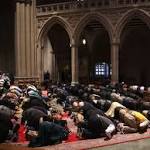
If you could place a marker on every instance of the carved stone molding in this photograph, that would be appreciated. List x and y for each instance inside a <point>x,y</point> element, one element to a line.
<point>73,19</point>
<point>24,1</point>
<point>40,22</point>
<point>20,1</point>
<point>74,16</point>
<point>28,1</point>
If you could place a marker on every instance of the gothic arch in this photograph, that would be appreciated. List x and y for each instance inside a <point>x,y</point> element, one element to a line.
<point>143,15</point>
<point>93,16</point>
<point>42,38</point>
<point>132,32</point>
<point>52,21</point>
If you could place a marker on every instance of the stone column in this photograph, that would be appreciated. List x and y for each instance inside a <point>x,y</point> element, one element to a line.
<point>17,38</point>
<point>74,61</point>
<point>33,53</point>
<point>115,61</point>
<point>55,73</point>
<point>25,39</point>
<point>28,37</point>
<point>53,67</point>
<point>20,39</point>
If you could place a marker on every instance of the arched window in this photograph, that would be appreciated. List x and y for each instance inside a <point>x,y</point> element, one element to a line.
<point>102,69</point>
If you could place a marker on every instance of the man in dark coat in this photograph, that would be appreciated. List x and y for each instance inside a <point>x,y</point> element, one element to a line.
<point>97,126</point>
<point>97,123</point>
<point>5,125</point>
<point>32,116</point>
<point>49,133</point>
<point>87,107</point>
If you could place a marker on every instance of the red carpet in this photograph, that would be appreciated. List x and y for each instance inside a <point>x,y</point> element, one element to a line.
<point>21,134</point>
<point>72,137</point>
<point>73,143</point>
<point>93,143</point>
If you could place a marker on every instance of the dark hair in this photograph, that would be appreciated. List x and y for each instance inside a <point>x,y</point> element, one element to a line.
<point>142,129</point>
<point>117,110</point>
<point>148,115</point>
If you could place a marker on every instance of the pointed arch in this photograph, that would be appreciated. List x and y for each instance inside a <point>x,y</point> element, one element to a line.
<point>133,31</point>
<point>52,21</point>
<point>42,38</point>
<point>88,18</point>
<point>127,17</point>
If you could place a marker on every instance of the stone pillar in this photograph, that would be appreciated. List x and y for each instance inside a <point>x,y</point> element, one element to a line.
<point>115,61</point>
<point>53,77</point>
<point>74,62</point>
<point>51,65</point>
<point>48,55</point>
<point>33,52</point>
<point>25,39</point>
<point>28,38</point>
<point>17,38</point>
<point>20,38</point>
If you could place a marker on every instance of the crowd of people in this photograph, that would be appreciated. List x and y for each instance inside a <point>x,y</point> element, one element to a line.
<point>97,111</point>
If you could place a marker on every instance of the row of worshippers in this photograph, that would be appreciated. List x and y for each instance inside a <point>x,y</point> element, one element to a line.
<point>122,107</point>
<point>97,111</point>
<point>29,108</point>
<point>90,108</point>
<point>94,106</point>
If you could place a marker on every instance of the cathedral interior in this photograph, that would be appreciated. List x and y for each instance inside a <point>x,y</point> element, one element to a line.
<point>86,45</point>
<point>94,45</point>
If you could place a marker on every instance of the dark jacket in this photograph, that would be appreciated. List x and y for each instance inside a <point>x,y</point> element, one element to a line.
<point>32,116</point>
<point>5,126</point>
<point>49,133</point>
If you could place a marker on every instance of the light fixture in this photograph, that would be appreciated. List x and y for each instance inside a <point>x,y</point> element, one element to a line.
<point>84,41</point>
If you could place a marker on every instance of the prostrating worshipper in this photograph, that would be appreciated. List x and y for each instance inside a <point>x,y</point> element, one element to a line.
<point>133,121</point>
<point>5,123</point>
<point>9,104</point>
<point>86,107</point>
<point>145,101</point>
<point>12,97</point>
<point>7,110</point>
<point>4,84</point>
<point>111,111</point>
<point>49,133</point>
<point>95,126</point>
<point>32,117</point>
<point>100,103</point>
<point>54,105</point>
<point>93,123</point>
<point>34,98</point>
<point>128,102</point>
